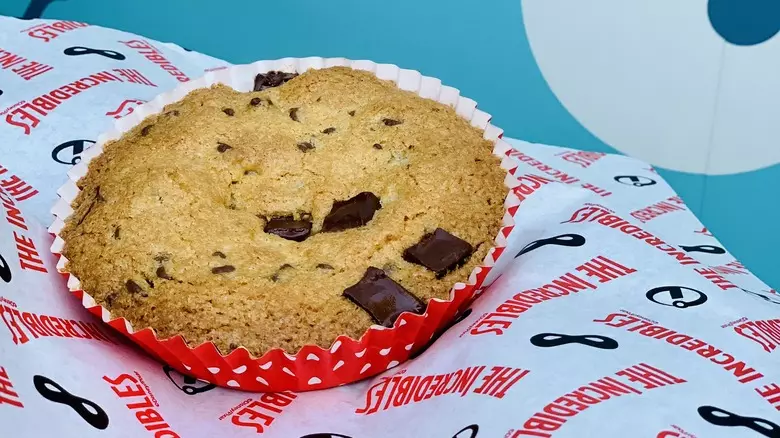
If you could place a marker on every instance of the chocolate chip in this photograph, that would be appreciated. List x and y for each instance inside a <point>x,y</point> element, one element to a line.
<point>294,114</point>
<point>351,113</point>
<point>223,269</point>
<point>439,251</point>
<point>288,228</point>
<point>222,147</point>
<point>133,287</point>
<point>272,79</point>
<point>149,282</point>
<point>229,111</point>
<point>219,254</point>
<point>284,267</point>
<point>145,130</point>
<point>233,346</point>
<point>383,298</point>
<point>162,274</point>
<point>110,298</point>
<point>391,122</point>
<point>377,146</point>
<point>324,266</point>
<point>305,146</point>
<point>330,130</point>
<point>116,232</point>
<point>255,101</point>
<point>352,213</point>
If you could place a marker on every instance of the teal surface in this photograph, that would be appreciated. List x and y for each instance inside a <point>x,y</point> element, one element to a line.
<point>478,47</point>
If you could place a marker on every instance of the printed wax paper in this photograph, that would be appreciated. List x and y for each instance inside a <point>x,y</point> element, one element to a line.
<point>619,313</point>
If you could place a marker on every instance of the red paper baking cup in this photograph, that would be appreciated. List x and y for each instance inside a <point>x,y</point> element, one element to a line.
<point>347,360</point>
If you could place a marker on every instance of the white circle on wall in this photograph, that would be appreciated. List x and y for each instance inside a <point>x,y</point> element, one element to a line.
<point>655,81</point>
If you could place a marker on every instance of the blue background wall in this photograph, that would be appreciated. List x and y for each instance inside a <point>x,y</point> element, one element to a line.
<point>484,51</point>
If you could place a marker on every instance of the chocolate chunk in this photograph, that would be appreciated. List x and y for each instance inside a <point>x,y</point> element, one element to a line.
<point>439,251</point>
<point>305,146</point>
<point>391,122</point>
<point>219,254</point>
<point>352,213</point>
<point>330,130</point>
<point>162,274</point>
<point>255,101</point>
<point>377,146</point>
<point>288,228</point>
<point>222,147</point>
<point>149,282</point>
<point>383,298</point>
<point>272,79</point>
<point>116,232</point>
<point>229,111</point>
<point>351,113</point>
<point>133,287</point>
<point>110,298</point>
<point>324,266</point>
<point>294,114</point>
<point>145,130</point>
<point>223,269</point>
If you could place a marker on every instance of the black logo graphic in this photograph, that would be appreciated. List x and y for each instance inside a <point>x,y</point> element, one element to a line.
<point>1,92</point>
<point>467,432</point>
<point>636,181</point>
<point>773,299</point>
<point>722,417</point>
<point>571,240</point>
<point>709,249</point>
<point>676,296</point>
<point>556,339</point>
<point>79,50</point>
<point>5,270</point>
<point>189,385</point>
<point>436,336</point>
<point>88,410</point>
<point>70,151</point>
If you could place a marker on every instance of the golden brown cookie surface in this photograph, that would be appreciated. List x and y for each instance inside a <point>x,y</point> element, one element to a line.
<point>215,219</point>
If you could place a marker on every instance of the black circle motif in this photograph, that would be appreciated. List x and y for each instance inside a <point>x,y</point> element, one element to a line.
<point>557,339</point>
<point>79,50</point>
<point>87,409</point>
<point>680,297</point>
<point>5,270</point>
<point>722,417</point>
<point>570,240</point>
<point>70,151</point>
<point>189,385</point>
<point>472,429</point>
<point>709,249</point>
<point>326,435</point>
<point>636,181</point>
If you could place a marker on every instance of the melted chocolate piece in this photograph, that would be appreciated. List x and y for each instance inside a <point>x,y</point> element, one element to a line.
<point>229,111</point>
<point>133,287</point>
<point>439,251</point>
<point>391,122</point>
<point>255,101</point>
<point>351,113</point>
<point>352,213</point>
<point>324,266</point>
<point>145,130</point>
<point>294,114</point>
<point>272,79</point>
<point>222,147</point>
<point>219,254</point>
<point>288,228</point>
<point>383,298</point>
<point>330,130</point>
<point>223,269</point>
<point>162,274</point>
<point>305,146</point>
<point>377,146</point>
<point>116,232</point>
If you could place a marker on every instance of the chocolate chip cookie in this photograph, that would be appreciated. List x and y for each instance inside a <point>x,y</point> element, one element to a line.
<point>315,206</point>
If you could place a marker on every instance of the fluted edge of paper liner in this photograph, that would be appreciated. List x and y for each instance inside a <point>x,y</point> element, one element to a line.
<point>346,360</point>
